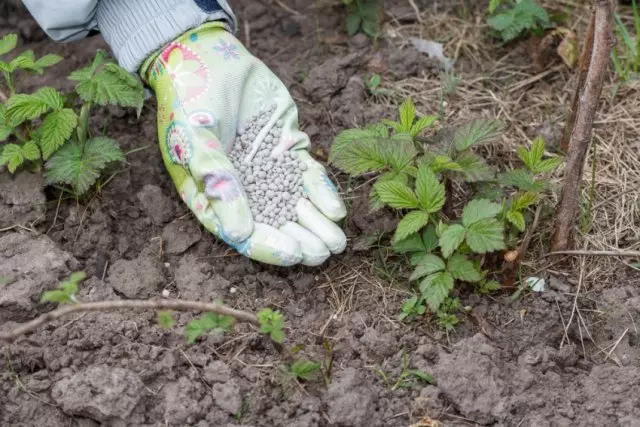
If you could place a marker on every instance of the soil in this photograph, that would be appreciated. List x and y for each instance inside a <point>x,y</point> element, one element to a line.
<point>509,362</point>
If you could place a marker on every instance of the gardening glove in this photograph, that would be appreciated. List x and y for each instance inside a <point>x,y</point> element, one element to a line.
<point>212,93</point>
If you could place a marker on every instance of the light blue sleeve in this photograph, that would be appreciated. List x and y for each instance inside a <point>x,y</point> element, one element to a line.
<point>64,20</point>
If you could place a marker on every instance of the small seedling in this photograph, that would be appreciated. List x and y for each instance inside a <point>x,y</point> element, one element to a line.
<point>327,362</point>
<point>362,15</point>
<point>66,291</point>
<point>272,324</point>
<point>46,126</point>
<point>304,370</point>
<point>407,376</point>
<point>166,320</point>
<point>206,323</point>
<point>510,19</point>
<point>446,316</point>
<point>412,308</point>
<point>373,82</point>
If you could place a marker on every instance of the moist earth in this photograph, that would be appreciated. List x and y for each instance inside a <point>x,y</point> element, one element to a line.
<point>509,363</point>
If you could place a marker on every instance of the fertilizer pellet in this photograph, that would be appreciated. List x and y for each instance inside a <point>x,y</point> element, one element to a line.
<point>273,185</point>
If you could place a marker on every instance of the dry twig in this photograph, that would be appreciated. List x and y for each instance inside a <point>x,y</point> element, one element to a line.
<point>177,305</point>
<point>589,95</point>
<point>632,254</point>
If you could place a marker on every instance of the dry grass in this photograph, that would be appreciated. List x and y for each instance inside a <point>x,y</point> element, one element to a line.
<point>499,82</point>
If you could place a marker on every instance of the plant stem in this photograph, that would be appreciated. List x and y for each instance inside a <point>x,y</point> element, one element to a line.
<point>83,123</point>
<point>177,305</point>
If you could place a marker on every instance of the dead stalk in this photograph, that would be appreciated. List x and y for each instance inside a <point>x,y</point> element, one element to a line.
<point>579,141</point>
<point>177,305</point>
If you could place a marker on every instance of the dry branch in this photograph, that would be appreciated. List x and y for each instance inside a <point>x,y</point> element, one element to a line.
<point>177,305</point>
<point>628,254</point>
<point>587,104</point>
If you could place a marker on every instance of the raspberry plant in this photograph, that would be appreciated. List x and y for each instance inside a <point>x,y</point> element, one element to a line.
<point>512,18</point>
<point>416,179</point>
<point>48,127</point>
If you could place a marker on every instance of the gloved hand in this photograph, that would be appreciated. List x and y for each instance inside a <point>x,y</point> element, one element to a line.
<point>219,105</point>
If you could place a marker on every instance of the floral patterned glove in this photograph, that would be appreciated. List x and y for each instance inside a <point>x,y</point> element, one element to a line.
<point>214,96</point>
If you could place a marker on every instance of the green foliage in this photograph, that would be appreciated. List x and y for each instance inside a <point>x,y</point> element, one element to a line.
<point>510,19</point>
<point>166,320</point>
<point>44,127</point>
<point>80,165</point>
<point>373,82</point>
<point>272,324</point>
<point>407,377</point>
<point>412,177</point>
<point>626,54</point>
<point>362,15</point>
<point>304,370</point>
<point>66,291</point>
<point>206,323</point>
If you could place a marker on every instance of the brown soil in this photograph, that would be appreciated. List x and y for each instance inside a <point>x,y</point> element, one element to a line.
<point>509,363</point>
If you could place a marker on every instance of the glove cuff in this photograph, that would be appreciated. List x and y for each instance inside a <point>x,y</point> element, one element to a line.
<point>135,29</point>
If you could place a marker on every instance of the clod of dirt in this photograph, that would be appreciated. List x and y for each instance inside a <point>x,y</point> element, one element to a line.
<point>217,372</point>
<point>194,282</point>
<point>227,397</point>
<point>331,76</point>
<point>180,235</point>
<point>185,402</point>
<point>137,278</point>
<point>31,265</point>
<point>351,401</point>
<point>613,396</point>
<point>405,63</point>
<point>157,206</point>
<point>99,392</point>
<point>22,200</point>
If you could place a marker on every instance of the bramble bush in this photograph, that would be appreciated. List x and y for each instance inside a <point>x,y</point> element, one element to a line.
<point>50,128</point>
<point>416,179</point>
<point>510,19</point>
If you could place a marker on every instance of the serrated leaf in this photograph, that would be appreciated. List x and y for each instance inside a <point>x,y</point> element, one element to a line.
<point>81,168</point>
<point>411,223</point>
<point>22,107</point>
<point>30,151</point>
<point>486,235</point>
<point>5,128</point>
<point>396,195</point>
<point>451,238</point>
<point>8,43</point>
<point>532,157</point>
<point>407,115</point>
<point>12,157</point>
<point>207,322</point>
<point>347,137</point>
<point>48,60</point>
<point>479,131</point>
<point>430,191</point>
<point>399,151</point>
<point>421,124</point>
<point>479,209</point>
<point>56,130</point>
<point>359,156</point>
<point>305,370</point>
<point>436,288</point>
<point>413,243</point>
<point>24,60</point>
<point>521,179</point>
<point>429,264</point>
<point>441,162</point>
<point>461,268</point>
<point>524,200</point>
<point>548,165</point>
<point>165,319</point>
<point>430,239</point>
<point>474,168</point>
<point>516,218</point>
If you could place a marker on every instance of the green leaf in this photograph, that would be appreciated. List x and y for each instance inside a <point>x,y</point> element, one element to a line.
<point>80,167</point>
<point>461,268</point>
<point>207,322</point>
<point>305,370</point>
<point>451,238</point>
<point>522,179</point>
<point>30,151</point>
<point>353,23</point>
<point>486,235</point>
<point>479,131</point>
<point>532,157</point>
<point>413,243</point>
<point>422,375</point>
<point>48,61</point>
<point>5,128</point>
<point>479,209</point>
<point>411,223</point>
<point>8,43</point>
<point>548,165</point>
<point>56,130</point>
<point>430,191</point>
<point>399,151</point>
<point>421,124</point>
<point>66,291</point>
<point>24,107</point>
<point>524,200</point>
<point>428,265</point>
<point>396,195</point>
<point>440,162</point>
<point>436,288</point>
<point>166,320</point>
<point>12,157</point>
<point>357,154</point>
<point>25,60</point>
<point>104,82</point>
<point>407,115</point>
<point>271,323</point>
<point>430,239</point>
<point>474,168</point>
<point>348,137</point>
<point>493,5</point>
<point>516,218</point>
